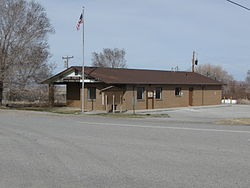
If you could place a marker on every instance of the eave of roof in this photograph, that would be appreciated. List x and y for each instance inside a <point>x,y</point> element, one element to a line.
<point>141,76</point>
<point>50,80</point>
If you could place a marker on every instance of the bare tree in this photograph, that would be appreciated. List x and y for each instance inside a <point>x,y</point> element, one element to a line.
<point>24,50</point>
<point>218,73</point>
<point>114,58</point>
<point>248,77</point>
<point>238,89</point>
<point>248,81</point>
<point>215,72</point>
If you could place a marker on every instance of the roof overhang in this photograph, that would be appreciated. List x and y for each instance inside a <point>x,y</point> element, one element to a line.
<point>116,76</point>
<point>68,76</point>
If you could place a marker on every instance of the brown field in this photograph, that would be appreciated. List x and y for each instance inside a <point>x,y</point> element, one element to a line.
<point>237,121</point>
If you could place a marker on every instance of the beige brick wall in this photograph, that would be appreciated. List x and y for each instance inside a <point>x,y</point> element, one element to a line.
<point>198,95</point>
<point>212,95</point>
<point>74,100</point>
<point>73,94</point>
<point>208,95</point>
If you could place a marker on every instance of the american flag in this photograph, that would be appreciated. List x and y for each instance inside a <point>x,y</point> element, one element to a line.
<point>80,21</point>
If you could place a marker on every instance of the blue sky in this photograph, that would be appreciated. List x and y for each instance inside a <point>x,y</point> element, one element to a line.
<point>156,34</point>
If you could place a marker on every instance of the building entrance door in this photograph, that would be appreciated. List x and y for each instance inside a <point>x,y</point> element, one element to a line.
<point>150,99</point>
<point>191,96</point>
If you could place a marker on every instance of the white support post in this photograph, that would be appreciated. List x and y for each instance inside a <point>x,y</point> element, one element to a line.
<point>113,103</point>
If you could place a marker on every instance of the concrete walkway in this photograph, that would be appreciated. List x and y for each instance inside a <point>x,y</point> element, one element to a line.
<point>166,110</point>
<point>196,114</point>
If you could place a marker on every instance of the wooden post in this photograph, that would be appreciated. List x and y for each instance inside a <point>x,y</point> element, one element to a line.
<point>193,61</point>
<point>106,103</point>
<point>133,101</point>
<point>51,95</point>
<point>120,103</point>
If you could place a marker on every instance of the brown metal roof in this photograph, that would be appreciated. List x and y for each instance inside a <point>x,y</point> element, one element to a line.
<point>142,76</point>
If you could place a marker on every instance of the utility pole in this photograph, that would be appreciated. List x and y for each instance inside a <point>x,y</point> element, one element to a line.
<point>66,62</point>
<point>194,61</point>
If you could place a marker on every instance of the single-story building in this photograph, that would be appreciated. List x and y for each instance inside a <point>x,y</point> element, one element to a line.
<point>128,89</point>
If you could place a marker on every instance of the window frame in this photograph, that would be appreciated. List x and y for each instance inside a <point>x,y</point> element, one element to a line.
<point>91,93</point>
<point>142,93</point>
<point>178,91</point>
<point>158,89</point>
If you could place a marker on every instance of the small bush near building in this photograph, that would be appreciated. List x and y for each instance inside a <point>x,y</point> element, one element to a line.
<point>243,101</point>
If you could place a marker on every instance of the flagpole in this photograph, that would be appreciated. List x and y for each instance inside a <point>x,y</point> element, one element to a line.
<point>83,97</point>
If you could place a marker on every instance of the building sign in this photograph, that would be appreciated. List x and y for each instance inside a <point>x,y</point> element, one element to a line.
<point>72,79</point>
<point>150,94</point>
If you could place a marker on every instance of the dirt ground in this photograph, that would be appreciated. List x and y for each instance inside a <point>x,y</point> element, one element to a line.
<point>240,121</point>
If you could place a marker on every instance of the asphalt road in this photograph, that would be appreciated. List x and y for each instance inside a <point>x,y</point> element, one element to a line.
<point>46,150</point>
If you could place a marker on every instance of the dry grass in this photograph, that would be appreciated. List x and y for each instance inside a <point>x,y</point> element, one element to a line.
<point>237,121</point>
<point>59,110</point>
<point>76,111</point>
<point>243,101</point>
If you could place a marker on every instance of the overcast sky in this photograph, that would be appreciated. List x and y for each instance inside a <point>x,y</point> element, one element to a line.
<point>156,34</point>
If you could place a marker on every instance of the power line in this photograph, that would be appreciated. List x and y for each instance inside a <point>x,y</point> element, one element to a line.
<point>238,4</point>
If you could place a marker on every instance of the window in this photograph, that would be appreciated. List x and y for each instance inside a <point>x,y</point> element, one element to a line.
<point>92,93</point>
<point>158,91</point>
<point>140,93</point>
<point>178,91</point>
